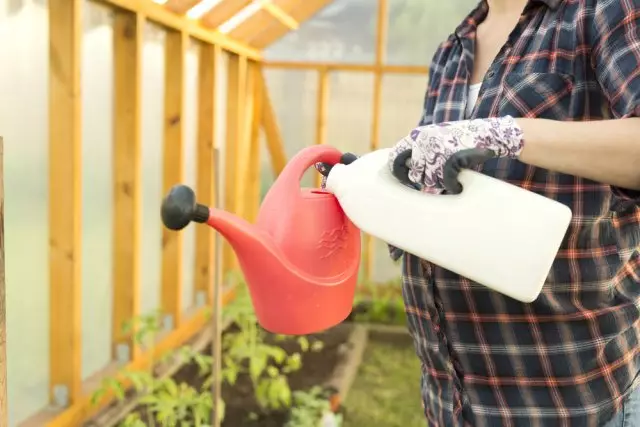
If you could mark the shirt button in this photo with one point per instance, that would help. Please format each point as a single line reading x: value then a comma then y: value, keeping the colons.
x: 490, y: 74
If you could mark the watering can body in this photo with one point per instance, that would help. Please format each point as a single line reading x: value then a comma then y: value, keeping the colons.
x: 300, y: 260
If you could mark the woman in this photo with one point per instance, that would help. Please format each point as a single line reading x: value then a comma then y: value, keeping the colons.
x: 544, y: 94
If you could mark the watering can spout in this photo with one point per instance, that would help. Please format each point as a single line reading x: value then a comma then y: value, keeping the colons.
x: 179, y: 208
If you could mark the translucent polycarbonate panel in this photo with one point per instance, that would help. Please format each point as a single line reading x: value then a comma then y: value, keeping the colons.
x: 24, y: 124
x: 293, y: 95
x: 402, y: 104
x: 97, y: 188
x: 344, y: 31
x: 402, y: 99
x: 152, y: 161
x: 349, y: 114
x: 222, y: 73
x: 190, y: 167
x: 417, y: 27
x: 350, y: 111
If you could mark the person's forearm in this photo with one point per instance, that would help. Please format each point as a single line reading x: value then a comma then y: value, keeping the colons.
x: 605, y: 151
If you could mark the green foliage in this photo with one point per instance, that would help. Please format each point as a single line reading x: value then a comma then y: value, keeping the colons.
x: 384, y: 305
x: 309, y: 407
x: 163, y: 400
x: 245, y: 350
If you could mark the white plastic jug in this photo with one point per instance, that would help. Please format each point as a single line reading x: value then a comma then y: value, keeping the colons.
x: 494, y: 233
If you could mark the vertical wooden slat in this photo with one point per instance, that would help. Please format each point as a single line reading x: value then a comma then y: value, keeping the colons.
x: 321, y: 112
x: 65, y: 210
x: 127, y: 46
x: 272, y: 134
x: 172, y: 242
x: 236, y: 85
x: 4, y: 419
x: 381, y: 44
x: 255, y: 164
x: 206, y: 184
x: 243, y: 150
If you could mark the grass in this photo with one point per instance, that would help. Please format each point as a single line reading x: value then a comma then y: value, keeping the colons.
x: 386, y: 392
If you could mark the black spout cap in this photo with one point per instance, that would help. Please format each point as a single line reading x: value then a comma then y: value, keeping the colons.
x: 179, y: 208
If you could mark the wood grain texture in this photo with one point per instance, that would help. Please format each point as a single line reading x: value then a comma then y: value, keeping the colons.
x: 65, y: 195
x: 127, y: 47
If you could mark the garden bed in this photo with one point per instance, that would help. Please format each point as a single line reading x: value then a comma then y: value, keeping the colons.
x: 242, y: 409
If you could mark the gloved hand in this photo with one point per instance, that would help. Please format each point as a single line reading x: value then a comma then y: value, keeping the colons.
x: 325, y: 168
x: 431, y: 157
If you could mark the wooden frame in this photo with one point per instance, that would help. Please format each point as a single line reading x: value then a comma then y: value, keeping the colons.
x: 164, y: 17
x: 127, y: 46
x: 236, y: 89
x: 206, y: 172
x: 250, y: 113
x: 172, y: 243
x: 65, y: 208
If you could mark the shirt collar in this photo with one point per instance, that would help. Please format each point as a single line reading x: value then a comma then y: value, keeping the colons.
x: 478, y: 14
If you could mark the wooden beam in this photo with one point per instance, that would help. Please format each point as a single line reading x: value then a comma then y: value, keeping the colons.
x: 163, y: 16
x: 304, y: 11
x: 206, y: 173
x: 272, y: 134
x: 172, y: 242
x: 180, y: 6
x: 4, y: 418
x: 283, y: 17
x: 255, y: 165
x: 321, y: 112
x: 356, y: 68
x: 261, y: 21
x: 128, y: 39
x: 381, y: 43
x: 243, y: 147
x: 236, y: 85
x: 223, y: 11
x: 65, y: 200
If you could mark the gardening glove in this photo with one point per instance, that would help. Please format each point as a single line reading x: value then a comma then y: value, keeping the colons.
x: 431, y: 157
x: 325, y: 168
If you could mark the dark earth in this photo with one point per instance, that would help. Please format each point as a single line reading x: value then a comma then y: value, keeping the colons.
x: 317, y: 368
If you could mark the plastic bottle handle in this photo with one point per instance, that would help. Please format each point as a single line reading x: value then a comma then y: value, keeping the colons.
x: 293, y: 172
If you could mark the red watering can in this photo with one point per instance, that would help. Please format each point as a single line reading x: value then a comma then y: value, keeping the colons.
x: 301, y: 258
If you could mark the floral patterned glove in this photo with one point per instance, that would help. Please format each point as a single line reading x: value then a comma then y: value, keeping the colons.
x: 430, y: 157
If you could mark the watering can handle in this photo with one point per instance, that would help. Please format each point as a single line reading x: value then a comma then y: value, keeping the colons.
x: 179, y: 208
x: 292, y: 173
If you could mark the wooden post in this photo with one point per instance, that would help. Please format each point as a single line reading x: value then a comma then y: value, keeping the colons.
x: 127, y: 188
x: 381, y: 44
x: 4, y: 418
x: 172, y: 242
x: 65, y: 200
x: 243, y: 151
x: 252, y: 194
x: 206, y: 174
x: 236, y: 86
x: 321, y: 112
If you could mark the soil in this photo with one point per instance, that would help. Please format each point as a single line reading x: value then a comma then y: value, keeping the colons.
x: 317, y: 368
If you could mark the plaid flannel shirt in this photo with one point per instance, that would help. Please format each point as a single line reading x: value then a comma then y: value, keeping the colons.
x: 570, y: 357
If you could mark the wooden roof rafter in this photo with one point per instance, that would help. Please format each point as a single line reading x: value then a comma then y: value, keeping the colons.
x: 261, y: 20
x: 301, y: 12
x: 257, y: 23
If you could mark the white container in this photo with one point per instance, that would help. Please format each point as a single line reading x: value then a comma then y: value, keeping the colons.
x: 493, y: 233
